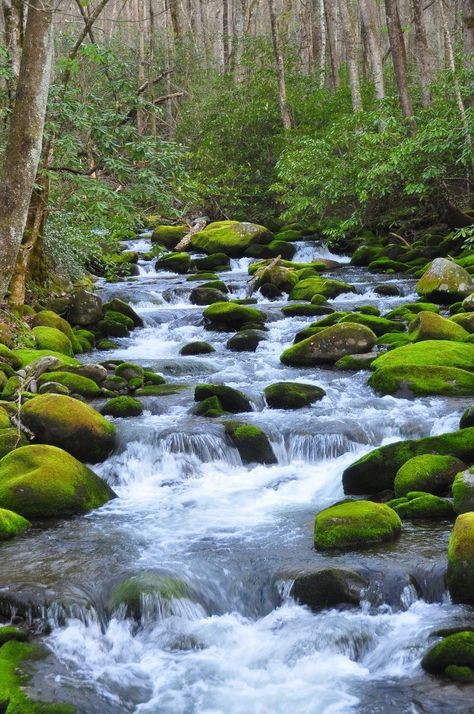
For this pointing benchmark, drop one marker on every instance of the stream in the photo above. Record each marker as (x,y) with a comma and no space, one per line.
(237,535)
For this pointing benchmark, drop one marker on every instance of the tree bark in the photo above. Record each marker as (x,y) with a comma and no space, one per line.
(422,51)
(468,30)
(369,22)
(351,52)
(399,59)
(25,137)
(280,65)
(13,23)
(331,25)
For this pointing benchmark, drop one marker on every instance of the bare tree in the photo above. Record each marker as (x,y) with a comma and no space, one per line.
(399,59)
(369,22)
(350,36)
(422,51)
(280,65)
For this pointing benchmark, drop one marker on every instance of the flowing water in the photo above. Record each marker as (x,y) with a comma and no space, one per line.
(237,535)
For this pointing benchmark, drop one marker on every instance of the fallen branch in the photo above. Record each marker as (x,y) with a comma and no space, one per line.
(196,227)
(258,274)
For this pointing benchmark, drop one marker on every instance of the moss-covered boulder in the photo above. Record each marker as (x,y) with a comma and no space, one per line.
(251,442)
(306,310)
(71,425)
(438,353)
(329,345)
(230,237)
(292,395)
(11,525)
(468,303)
(245,340)
(378,325)
(277,275)
(329,587)
(206,296)
(452,657)
(139,593)
(85,308)
(75,383)
(10,440)
(196,348)
(467,418)
(355,525)
(463,491)
(423,380)
(49,338)
(48,318)
(232,400)
(429,472)
(106,345)
(387,289)
(445,282)
(10,357)
(27,357)
(430,326)
(417,504)
(464,320)
(306,289)
(42,481)
(461,559)
(376,471)
(229,316)
(117,305)
(215,261)
(169,236)
(160,390)
(9,633)
(4,419)
(210,408)
(133,374)
(356,362)
(175,263)
(122,407)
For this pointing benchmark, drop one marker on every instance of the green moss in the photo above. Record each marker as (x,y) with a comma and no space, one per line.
(438,353)
(251,442)
(445,282)
(201,276)
(468,303)
(49,338)
(386,265)
(394,339)
(41,481)
(305,309)
(74,382)
(463,491)
(160,390)
(206,296)
(231,316)
(9,441)
(306,289)
(230,237)
(376,470)
(10,356)
(215,261)
(9,632)
(85,336)
(196,348)
(4,419)
(120,318)
(378,325)
(456,649)
(48,318)
(105,345)
(271,250)
(424,505)
(430,326)
(356,362)
(464,320)
(71,425)
(175,263)
(459,674)
(429,472)
(122,407)
(27,357)
(169,236)
(120,306)
(136,593)
(365,254)
(129,371)
(231,399)
(423,380)
(210,407)
(329,345)
(355,524)
(11,525)
(151,377)
(11,388)
(292,395)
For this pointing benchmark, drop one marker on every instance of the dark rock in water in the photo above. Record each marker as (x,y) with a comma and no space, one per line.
(329,587)
(206,296)
(229,316)
(270,291)
(467,418)
(245,341)
(210,408)
(387,289)
(122,407)
(251,442)
(117,305)
(232,400)
(196,348)
(146,593)
(85,309)
(292,395)
(453,657)
(174,262)
(215,261)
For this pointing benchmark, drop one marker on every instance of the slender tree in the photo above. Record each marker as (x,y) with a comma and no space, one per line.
(399,59)
(422,51)
(369,22)
(350,36)
(280,66)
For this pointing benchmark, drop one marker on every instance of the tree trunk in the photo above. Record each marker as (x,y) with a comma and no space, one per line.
(13,23)
(349,26)
(468,30)
(369,22)
(399,59)
(225,35)
(331,25)
(25,137)
(422,51)
(141,113)
(280,65)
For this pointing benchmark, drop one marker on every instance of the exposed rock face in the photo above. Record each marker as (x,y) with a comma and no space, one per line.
(329,345)
(445,282)
(86,308)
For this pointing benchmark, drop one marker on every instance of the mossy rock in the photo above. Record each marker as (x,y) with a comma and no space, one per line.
(271,250)
(110,327)
(356,362)
(306,289)
(306,310)
(151,377)
(117,305)
(461,561)
(232,400)
(210,408)
(75,383)
(376,471)
(437,353)
(329,587)
(136,594)
(53,388)
(42,481)
(319,300)
(463,491)
(468,303)
(231,316)
(386,265)
(417,504)
(196,348)
(230,237)
(467,418)
(4,419)
(201,277)
(277,275)
(394,339)
(9,356)
(430,326)
(71,425)
(245,341)
(106,345)
(378,325)
(48,318)
(292,395)
(113,383)
(454,651)
(423,380)
(9,441)
(215,261)
(175,263)
(355,525)
(388,289)
(11,388)
(464,320)
(129,372)
(364,255)
(11,525)
(169,236)
(329,345)
(49,338)
(251,442)
(160,390)
(118,317)
(289,234)
(10,632)
(206,296)
(445,282)
(122,407)
(369,310)
(429,472)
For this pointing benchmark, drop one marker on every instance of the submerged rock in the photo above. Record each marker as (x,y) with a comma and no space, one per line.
(196,348)
(329,345)
(230,316)
(292,395)
(329,587)
(146,592)
(354,525)
(251,442)
(232,400)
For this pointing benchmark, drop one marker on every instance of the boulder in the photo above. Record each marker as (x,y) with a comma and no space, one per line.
(461,559)
(75,383)
(429,472)
(468,303)
(229,316)
(453,656)
(376,471)
(378,325)
(133,374)
(445,282)
(306,289)
(85,308)
(251,442)
(232,400)
(117,305)
(11,525)
(329,345)
(438,353)
(41,481)
(357,362)
(467,418)
(329,587)
(464,320)
(49,338)
(417,504)
(430,326)
(389,289)
(174,262)
(48,318)
(210,408)
(196,348)
(9,441)
(169,236)
(306,310)
(69,424)
(122,407)
(4,419)
(245,341)
(278,276)
(215,261)
(463,491)
(354,525)
(232,238)
(292,395)
(10,357)
(96,372)
(139,594)
(160,390)
(206,296)
(423,380)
